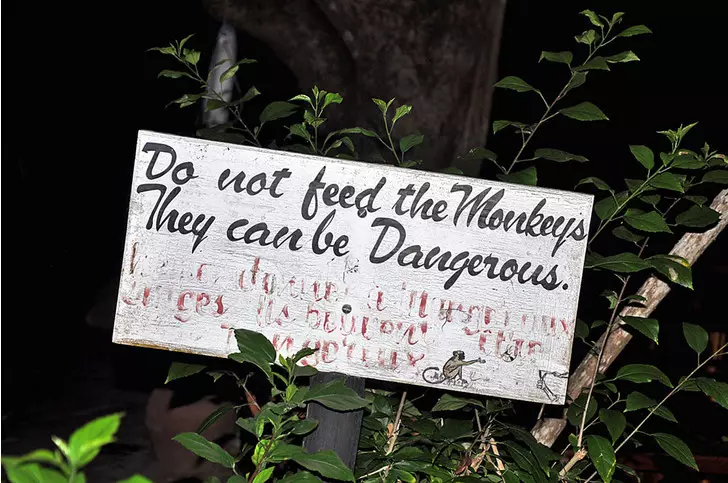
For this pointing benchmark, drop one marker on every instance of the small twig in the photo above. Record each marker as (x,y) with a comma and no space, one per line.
(397,421)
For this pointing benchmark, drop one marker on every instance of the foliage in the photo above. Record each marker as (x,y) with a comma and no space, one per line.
(65,464)
(459,438)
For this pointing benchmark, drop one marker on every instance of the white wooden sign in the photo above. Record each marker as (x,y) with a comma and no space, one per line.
(401,275)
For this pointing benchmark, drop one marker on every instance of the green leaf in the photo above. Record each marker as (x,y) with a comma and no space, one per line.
(250,342)
(648,327)
(277,110)
(300,131)
(558,155)
(593,17)
(665,413)
(588,37)
(675,268)
(595,63)
(696,337)
(526,176)
(564,57)
(651,222)
(676,448)
(229,73)
(578,79)
(140,479)
(326,463)
(576,410)
(401,112)
(302,97)
(214,104)
(644,155)
(624,233)
(719,176)
(300,477)
(281,451)
(205,449)
(652,200)
(213,417)
(498,125)
(174,74)
(698,200)
(304,426)
(263,476)
(305,371)
(85,443)
(581,330)
(515,84)
(687,160)
(602,455)
(249,425)
(616,18)
(614,421)
(331,98)
(452,403)
(714,389)
(481,153)
(636,401)
(668,181)
(165,50)
(627,56)
(410,141)
(192,56)
(641,373)
(585,111)
(335,395)
(250,94)
(600,185)
(634,30)
(697,217)
(383,106)
(623,263)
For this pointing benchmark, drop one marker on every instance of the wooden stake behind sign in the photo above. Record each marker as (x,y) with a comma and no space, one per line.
(393,274)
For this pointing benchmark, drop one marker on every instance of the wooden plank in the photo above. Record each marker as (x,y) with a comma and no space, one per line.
(400,275)
(336,430)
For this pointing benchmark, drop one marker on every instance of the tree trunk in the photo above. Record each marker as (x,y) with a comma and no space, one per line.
(440,56)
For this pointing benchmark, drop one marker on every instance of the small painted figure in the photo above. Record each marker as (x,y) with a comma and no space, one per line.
(452,370)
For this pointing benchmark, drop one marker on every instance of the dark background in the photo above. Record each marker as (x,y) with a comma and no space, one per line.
(79,84)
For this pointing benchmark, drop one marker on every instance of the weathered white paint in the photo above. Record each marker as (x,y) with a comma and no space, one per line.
(178,299)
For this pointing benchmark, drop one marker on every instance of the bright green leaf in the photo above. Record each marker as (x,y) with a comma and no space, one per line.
(250,94)
(588,37)
(331,98)
(326,463)
(85,443)
(383,106)
(595,63)
(593,18)
(401,112)
(578,79)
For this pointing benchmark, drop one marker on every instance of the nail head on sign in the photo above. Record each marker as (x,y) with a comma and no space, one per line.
(346,308)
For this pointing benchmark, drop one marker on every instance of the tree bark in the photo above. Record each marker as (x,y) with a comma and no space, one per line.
(690,247)
(441,57)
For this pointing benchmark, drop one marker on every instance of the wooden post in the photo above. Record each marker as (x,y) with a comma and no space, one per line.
(338,431)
